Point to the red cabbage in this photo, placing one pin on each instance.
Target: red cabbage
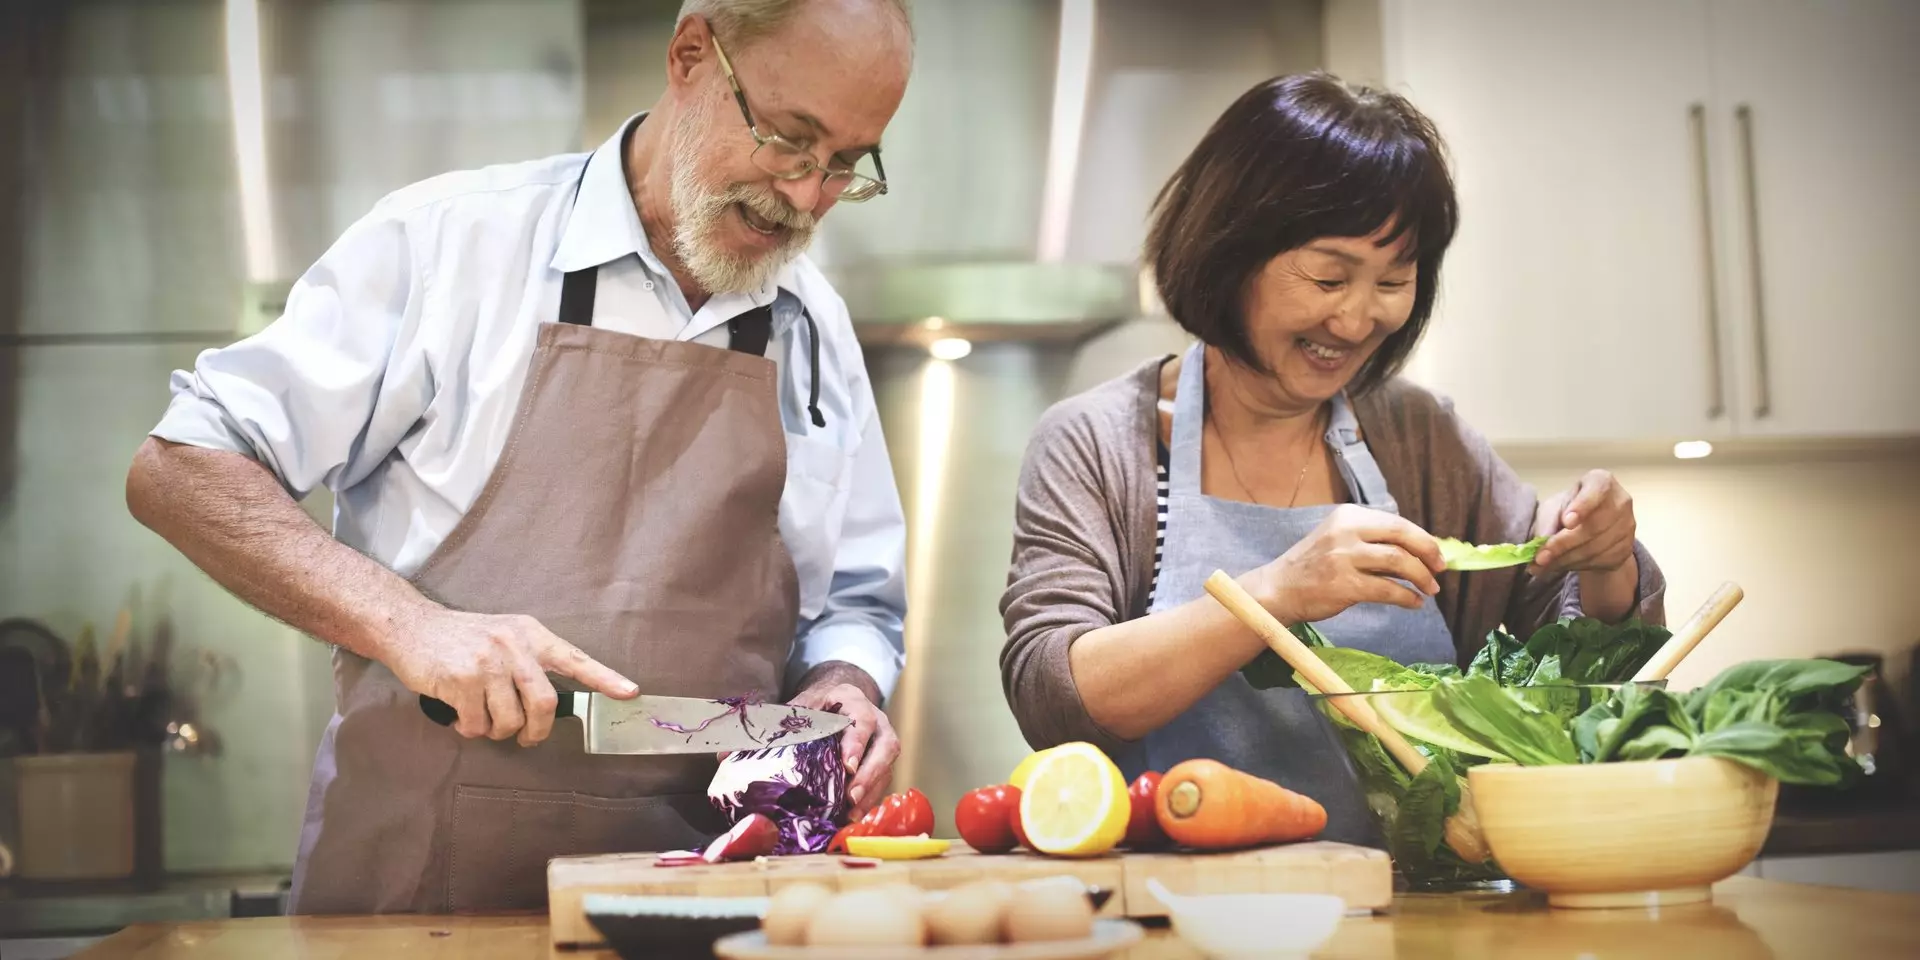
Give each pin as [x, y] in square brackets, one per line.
[802, 788]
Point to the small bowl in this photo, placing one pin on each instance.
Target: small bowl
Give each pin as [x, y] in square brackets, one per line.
[1246, 926]
[1629, 834]
[655, 926]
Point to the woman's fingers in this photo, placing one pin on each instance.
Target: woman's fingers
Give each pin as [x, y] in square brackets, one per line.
[1392, 561]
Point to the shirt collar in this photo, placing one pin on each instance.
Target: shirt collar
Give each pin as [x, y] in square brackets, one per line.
[604, 225]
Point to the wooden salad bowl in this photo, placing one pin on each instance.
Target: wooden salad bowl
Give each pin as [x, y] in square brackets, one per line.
[1625, 834]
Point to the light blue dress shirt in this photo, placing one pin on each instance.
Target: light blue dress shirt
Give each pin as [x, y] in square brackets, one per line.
[393, 376]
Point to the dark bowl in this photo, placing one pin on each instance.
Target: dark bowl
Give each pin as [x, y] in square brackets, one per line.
[645, 926]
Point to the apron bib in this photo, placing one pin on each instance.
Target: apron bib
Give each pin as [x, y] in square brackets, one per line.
[1275, 734]
[633, 512]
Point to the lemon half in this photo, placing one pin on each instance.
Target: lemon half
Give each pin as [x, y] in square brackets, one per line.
[1074, 802]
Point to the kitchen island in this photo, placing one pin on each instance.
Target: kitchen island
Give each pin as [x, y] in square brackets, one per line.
[1747, 918]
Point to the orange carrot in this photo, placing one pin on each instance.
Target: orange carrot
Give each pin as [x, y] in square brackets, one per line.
[1211, 806]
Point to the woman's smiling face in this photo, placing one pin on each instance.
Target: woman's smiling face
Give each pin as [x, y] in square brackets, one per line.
[1315, 314]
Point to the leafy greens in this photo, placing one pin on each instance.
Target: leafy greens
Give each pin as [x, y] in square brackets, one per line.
[1460, 555]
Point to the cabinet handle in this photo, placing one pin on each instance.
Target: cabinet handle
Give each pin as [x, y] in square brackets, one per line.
[1716, 376]
[1763, 393]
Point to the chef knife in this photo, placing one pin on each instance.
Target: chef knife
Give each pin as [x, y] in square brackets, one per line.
[652, 724]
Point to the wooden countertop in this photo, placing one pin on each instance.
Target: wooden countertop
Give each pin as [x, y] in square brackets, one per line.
[1748, 919]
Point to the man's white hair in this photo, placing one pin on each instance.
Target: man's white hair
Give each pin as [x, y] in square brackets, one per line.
[744, 21]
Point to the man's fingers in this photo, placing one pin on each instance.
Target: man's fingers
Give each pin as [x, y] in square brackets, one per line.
[876, 772]
[561, 657]
[537, 699]
[503, 706]
[1383, 590]
[471, 704]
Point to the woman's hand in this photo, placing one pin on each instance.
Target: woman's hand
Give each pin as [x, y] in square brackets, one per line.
[1590, 529]
[1354, 556]
[1589, 526]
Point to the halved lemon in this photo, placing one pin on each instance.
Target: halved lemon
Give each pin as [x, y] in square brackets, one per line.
[1074, 803]
[1025, 768]
[897, 848]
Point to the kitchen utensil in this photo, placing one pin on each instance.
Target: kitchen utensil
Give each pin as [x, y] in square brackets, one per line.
[1360, 876]
[1640, 833]
[49, 651]
[651, 724]
[1109, 938]
[1691, 633]
[1290, 924]
[1462, 830]
[637, 927]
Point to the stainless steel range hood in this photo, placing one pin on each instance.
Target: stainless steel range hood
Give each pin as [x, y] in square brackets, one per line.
[1013, 300]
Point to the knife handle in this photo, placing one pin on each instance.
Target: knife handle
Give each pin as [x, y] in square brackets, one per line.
[443, 713]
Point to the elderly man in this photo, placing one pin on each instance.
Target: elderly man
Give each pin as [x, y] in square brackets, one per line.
[590, 416]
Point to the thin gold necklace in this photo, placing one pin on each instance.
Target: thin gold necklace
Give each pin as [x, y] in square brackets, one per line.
[1306, 460]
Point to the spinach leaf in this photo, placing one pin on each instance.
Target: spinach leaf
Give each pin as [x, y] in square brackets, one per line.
[1420, 823]
[1268, 671]
[1593, 651]
[1788, 679]
[1503, 722]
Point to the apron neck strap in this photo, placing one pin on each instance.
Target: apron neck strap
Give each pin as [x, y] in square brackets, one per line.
[1189, 416]
[1355, 462]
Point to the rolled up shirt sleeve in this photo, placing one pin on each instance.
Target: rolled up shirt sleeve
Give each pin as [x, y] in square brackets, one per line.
[862, 622]
[316, 397]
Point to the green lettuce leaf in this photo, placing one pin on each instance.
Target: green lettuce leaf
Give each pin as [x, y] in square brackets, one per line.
[1460, 555]
[1505, 722]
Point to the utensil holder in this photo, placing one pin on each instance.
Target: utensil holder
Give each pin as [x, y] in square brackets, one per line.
[76, 816]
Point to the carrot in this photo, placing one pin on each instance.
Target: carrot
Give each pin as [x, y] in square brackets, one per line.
[1211, 806]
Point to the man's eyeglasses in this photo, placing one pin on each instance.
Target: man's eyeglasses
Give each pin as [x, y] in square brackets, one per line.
[789, 161]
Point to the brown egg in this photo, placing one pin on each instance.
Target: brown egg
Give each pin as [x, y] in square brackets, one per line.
[790, 910]
[884, 916]
[1044, 910]
[971, 913]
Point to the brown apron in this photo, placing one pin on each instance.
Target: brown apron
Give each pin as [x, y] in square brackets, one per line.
[634, 512]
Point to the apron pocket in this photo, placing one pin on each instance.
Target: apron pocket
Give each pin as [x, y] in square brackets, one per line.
[502, 839]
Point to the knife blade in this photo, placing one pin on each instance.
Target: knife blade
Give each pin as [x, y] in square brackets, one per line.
[650, 724]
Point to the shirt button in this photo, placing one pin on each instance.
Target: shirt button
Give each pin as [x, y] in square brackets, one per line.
[649, 284]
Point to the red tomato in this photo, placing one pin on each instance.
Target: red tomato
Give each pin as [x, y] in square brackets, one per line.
[1143, 825]
[1013, 820]
[901, 815]
[985, 818]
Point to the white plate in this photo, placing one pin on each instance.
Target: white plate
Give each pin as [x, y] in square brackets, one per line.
[1109, 937]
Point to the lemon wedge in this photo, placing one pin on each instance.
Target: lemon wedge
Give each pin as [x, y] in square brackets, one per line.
[1074, 802]
[897, 848]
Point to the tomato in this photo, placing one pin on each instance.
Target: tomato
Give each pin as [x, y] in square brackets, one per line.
[901, 815]
[1143, 825]
[1013, 820]
[985, 818]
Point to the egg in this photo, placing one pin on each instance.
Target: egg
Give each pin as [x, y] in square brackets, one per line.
[883, 916]
[1046, 910]
[789, 912]
[971, 913]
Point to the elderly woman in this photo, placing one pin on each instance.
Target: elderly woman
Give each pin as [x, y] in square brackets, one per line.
[1301, 244]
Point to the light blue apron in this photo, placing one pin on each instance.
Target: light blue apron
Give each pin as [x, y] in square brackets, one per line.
[1276, 734]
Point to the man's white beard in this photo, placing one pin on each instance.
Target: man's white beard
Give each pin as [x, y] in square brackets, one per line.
[700, 211]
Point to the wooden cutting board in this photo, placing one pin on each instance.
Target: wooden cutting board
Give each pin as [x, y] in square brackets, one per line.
[1361, 876]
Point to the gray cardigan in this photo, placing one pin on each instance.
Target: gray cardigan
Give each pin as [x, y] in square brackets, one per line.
[1084, 522]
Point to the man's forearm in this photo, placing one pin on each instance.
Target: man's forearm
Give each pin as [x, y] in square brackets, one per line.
[839, 671]
[229, 516]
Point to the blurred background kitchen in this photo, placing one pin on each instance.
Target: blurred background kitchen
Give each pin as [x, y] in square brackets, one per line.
[1687, 254]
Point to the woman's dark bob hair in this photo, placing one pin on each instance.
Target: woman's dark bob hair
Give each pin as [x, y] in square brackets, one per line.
[1295, 159]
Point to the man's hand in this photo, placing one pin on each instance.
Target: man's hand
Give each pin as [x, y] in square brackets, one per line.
[493, 670]
[869, 747]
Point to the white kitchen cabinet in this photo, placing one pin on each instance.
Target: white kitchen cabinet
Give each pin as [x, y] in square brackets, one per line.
[1825, 92]
[1602, 284]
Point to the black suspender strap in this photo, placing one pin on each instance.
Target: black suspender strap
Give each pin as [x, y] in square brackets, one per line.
[576, 296]
[748, 333]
